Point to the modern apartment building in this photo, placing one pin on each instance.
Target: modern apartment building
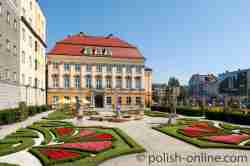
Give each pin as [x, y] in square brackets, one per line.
[22, 53]
[102, 69]
[235, 84]
[199, 86]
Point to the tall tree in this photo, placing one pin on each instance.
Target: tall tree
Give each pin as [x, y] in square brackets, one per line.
[173, 82]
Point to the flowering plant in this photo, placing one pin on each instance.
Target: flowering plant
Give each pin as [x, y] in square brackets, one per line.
[64, 130]
[95, 146]
[230, 139]
[58, 154]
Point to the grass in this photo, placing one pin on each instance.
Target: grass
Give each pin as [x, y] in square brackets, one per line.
[173, 131]
[45, 132]
[60, 115]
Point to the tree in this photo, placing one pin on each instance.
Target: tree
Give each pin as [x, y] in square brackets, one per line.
[173, 82]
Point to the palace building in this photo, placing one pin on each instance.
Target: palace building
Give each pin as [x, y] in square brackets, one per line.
[102, 69]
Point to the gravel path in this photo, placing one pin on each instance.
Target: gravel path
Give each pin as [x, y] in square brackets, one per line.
[158, 143]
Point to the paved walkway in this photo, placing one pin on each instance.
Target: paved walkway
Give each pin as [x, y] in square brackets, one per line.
[156, 142]
[8, 129]
[153, 141]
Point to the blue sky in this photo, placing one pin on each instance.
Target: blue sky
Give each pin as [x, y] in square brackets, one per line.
[178, 37]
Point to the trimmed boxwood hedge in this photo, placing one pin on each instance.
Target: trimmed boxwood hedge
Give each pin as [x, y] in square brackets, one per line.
[8, 116]
[180, 110]
[235, 116]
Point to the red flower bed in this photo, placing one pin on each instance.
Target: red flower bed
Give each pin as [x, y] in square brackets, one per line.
[89, 146]
[103, 136]
[230, 139]
[198, 129]
[84, 132]
[64, 131]
[58, 154]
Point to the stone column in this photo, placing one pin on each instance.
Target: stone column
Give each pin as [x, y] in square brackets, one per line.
[143, 78]
[83, 79]
[133, 77]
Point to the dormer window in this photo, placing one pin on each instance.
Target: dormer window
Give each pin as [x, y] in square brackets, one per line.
[109, 51]
[88, 51]
[98, 51]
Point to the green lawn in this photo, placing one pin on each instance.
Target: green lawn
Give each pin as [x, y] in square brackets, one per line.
[155, 114]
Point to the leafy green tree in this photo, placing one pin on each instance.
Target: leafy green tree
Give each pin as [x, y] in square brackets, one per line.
[173, 82]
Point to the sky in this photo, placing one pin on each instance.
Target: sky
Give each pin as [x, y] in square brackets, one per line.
[177, 37]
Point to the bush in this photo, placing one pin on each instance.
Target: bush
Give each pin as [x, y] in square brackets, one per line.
[180, 110]
[8, 116]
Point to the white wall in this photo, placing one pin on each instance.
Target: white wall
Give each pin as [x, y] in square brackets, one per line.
[9, 95]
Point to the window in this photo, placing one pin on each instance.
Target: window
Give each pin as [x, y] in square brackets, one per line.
[23, 57]
[8, 17]
[66, 67]
[24, 34]
[30, 61]
[77, 82]
[23, 79]
[36, 83]
[138, 83]
[138, 69]
[14, 76]
[15, 24]
[14, 50]
[66, 81]
[129, 69]
[99, 84]
[31, 5]
[24, 12]
[30, 81]
[108, 83]
[1, 8]
[55, 80]
[66, 99]
[109, 51]
[88, 51]
[55, 65]
[138, 100]
[55, 99]
[77, 67]
[108, 100]
[36, 64]
[128, 83]
[118, 83]
[98, 51]
[7, 74]
[128, 100]
[109, 68]
[8, 45]
[119, 69]
[119, 100]
[99, 68]
[88, 68]
[30, 41]
[88, 82]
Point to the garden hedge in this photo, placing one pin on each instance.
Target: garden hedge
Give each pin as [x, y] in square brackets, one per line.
[234, 116]
[8, 116]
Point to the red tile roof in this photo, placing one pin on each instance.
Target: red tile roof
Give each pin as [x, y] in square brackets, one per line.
[73, 46]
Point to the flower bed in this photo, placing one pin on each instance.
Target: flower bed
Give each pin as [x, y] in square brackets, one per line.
[198, 129]
[58, 154]
[89, 146]
[84, 132]
[228, 139]
[104, 136]
[62, 131]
